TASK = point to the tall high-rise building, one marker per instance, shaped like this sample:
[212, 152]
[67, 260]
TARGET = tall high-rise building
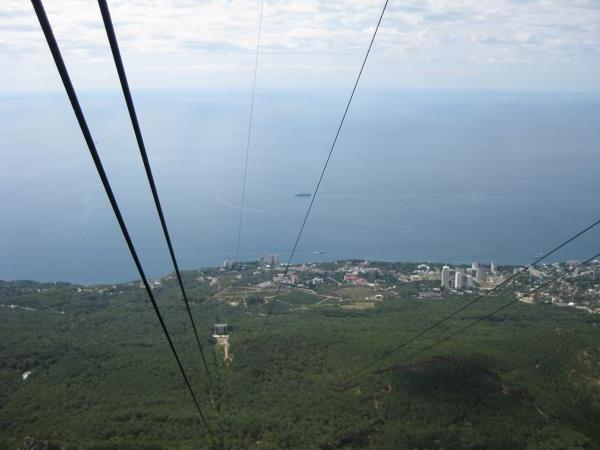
[493, 268]
[469, 282]
[481, 274]
[446, 277]
[271, 260]
[475, 265]
[459, 279]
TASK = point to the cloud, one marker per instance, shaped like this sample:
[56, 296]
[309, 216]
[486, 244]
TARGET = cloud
[450, 33]
[211, 46]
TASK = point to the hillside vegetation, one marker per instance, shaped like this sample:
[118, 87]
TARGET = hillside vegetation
[102, 376]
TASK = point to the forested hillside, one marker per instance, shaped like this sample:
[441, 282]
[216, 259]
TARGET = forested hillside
[102, 376]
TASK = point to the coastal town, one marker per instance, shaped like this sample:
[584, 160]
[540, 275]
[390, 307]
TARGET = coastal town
[346, 281]
[350, 284]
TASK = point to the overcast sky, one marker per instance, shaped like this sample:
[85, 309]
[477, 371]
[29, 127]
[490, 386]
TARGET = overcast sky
[489, 44]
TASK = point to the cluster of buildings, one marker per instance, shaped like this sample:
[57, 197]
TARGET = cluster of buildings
[270, 260]
[289, 279]
[358, 274]
[465, 279]
[580, 289]
[355, 278]
[267, 261]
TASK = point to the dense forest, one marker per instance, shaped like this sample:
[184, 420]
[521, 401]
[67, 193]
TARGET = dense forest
[102, 376]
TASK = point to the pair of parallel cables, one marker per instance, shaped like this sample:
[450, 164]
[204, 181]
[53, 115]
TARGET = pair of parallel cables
[64, 75]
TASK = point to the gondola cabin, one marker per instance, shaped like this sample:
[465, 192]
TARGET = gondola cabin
[221, 329]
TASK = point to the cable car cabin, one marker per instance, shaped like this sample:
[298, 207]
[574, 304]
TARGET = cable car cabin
[221, 329]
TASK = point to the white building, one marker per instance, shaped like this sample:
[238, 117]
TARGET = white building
[481, 274]
[493, 268]
[271, 260]
[446, 277]
[459, 279]
[469, 282]
[220, 329]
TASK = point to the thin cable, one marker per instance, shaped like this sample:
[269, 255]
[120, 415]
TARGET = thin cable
[64, 75]
[114, 46]
[479, 297]
[489, 315]
[239, 235]
[337, 134]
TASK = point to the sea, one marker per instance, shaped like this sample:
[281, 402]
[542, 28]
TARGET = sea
[416, 175]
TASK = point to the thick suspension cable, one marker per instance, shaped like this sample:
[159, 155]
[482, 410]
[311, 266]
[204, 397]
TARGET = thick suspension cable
[64, 75]
[249, 136]
[475, 300]
[496, 311]
[335, 139]
[114, 46]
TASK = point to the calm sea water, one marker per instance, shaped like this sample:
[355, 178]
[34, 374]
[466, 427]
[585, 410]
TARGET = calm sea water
[434, 176]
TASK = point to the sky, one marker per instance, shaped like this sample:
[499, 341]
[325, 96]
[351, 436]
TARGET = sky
[425, 44]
